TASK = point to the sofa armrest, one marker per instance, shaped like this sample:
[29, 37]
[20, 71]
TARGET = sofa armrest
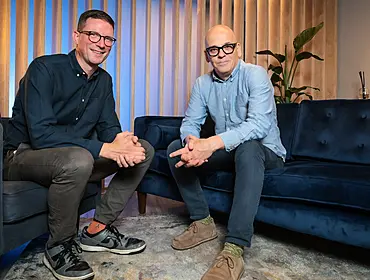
[159, 131]
[1, 189]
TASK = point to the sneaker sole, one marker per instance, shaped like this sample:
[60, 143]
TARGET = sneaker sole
[61, 277]
[194, 245]
[89, 248]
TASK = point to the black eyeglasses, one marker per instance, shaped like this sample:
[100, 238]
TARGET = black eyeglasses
[95, 37]
[227, 49]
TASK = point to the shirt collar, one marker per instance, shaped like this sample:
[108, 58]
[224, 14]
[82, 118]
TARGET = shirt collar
[231, 77]
[76, 66]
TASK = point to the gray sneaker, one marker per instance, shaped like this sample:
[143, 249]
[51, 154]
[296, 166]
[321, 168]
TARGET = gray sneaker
[65, 263]
[110, 240]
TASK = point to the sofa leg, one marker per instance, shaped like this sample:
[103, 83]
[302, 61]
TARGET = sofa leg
[141, 202]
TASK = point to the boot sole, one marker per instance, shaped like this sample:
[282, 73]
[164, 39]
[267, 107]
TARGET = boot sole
[89, 248]
[61, 277]
[194, 245]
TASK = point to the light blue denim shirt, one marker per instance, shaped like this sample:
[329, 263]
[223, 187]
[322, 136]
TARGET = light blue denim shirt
[242, 107]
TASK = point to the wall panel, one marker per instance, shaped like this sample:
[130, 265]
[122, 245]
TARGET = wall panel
[160, 44]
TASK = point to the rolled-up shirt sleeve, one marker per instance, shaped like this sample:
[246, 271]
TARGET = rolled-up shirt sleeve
[259, 112]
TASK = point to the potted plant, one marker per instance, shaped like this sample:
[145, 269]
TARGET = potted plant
[283, 76]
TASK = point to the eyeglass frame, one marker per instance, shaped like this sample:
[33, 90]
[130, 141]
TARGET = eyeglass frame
[222, 48]
[89, 33]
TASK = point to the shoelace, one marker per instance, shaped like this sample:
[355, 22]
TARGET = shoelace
[71, 252]
[220, 260]
[193, 227]
[116, 233]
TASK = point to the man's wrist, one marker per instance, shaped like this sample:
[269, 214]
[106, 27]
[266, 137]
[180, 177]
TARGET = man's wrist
[216, 143]
[103, 149]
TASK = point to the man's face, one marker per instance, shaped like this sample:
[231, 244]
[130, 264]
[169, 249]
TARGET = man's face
[222, 63]
[93, 54]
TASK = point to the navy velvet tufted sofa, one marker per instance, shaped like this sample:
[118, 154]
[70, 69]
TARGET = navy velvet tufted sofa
[324, 188]
[24, 208]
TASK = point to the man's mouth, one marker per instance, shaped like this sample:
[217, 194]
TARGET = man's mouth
[98, 52]
[223, 63]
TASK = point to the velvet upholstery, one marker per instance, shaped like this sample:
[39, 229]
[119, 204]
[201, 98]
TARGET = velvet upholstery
[23, 206]
[324, 187]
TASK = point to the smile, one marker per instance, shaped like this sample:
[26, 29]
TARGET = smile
[222, 63]
[98, 52]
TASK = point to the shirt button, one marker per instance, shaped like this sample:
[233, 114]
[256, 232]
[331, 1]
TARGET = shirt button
[227, 114]
[224, 99]
[227, 129]
[76, 119]
[78, 75]
[83, 100]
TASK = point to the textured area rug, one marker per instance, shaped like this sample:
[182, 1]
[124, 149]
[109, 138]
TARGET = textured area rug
[268, 259]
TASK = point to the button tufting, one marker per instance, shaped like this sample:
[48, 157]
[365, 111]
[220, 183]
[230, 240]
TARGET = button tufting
[324, 142]
[361, 145]
[363, 116]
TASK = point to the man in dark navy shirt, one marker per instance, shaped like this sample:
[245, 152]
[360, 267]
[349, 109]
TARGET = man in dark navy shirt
[62, 100]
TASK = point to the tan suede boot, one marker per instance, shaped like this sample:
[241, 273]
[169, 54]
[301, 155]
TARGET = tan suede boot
[225, 267]
[197, 233]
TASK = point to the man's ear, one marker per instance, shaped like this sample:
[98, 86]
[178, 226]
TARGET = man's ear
[75, 36]
[206, 55]
[239, 50]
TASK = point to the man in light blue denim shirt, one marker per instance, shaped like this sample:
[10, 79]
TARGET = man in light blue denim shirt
[239, 97]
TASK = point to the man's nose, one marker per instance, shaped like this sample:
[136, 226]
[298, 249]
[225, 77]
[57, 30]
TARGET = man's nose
[221, 53]
[101, 43]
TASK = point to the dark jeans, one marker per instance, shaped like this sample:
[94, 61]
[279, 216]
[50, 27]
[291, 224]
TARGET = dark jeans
[249, 161]
[66, 171]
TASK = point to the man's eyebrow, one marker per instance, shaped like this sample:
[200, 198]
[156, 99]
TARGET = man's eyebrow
[214, 46]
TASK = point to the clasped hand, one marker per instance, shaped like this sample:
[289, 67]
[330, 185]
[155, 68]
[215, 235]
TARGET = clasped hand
[125, 149]
[195, 153]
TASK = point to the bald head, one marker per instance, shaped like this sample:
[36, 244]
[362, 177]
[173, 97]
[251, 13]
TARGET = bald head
[219, 32]
[222, 50]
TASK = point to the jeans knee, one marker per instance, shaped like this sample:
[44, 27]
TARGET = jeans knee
[77, 162]
[249, 150]
[174, 146]
[149, 150]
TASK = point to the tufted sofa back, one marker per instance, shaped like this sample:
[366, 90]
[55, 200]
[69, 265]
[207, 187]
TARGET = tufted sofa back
[333, 130]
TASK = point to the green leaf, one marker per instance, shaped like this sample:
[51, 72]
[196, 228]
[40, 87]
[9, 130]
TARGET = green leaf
[295, 90]
[309, 96]
[275, 78]
[303, 93]
[307, 55]
[279, 57]
[277, 85]
[278, 99]
[288, 94]
[276, 69]
[305, 36]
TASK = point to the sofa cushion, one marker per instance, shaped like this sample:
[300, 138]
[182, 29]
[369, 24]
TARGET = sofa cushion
[159, 131]
[333, 130]
[334, 184]
[344, 185]
[287, 119]
[160, 136]
[23, 199]
[160, 163]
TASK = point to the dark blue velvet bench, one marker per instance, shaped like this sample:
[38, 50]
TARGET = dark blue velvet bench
[324, 188]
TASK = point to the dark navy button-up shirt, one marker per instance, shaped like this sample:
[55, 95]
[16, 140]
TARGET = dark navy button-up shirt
[57, 105]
